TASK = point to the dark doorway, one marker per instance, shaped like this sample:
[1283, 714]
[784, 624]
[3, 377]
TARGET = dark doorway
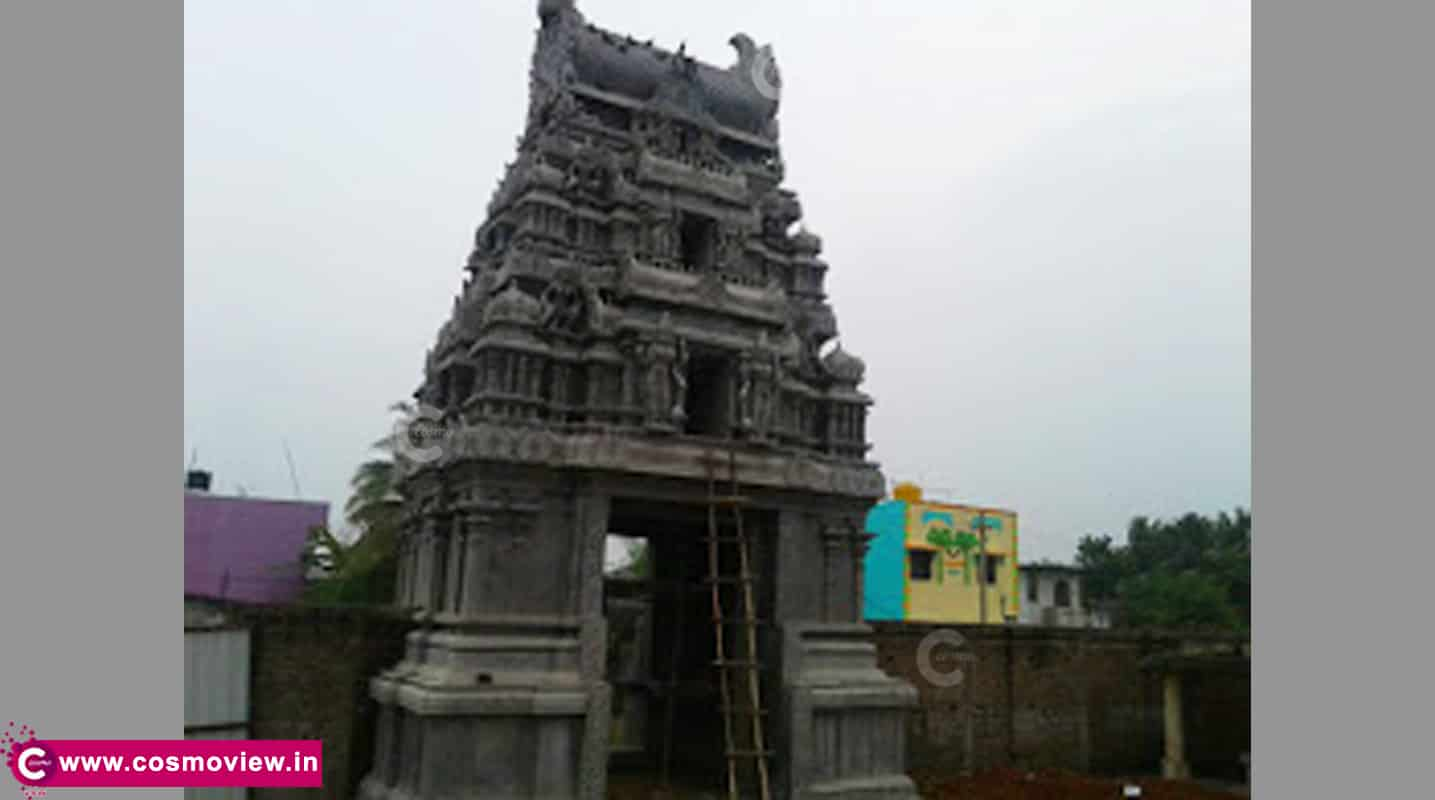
[696, 234]
[709, 402]
[665, 672]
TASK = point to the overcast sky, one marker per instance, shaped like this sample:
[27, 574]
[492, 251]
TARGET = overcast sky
[1037, 217]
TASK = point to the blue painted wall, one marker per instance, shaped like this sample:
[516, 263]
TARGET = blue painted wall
[886, 566]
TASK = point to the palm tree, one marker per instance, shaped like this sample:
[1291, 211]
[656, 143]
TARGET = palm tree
[363, 570]
[372, 502]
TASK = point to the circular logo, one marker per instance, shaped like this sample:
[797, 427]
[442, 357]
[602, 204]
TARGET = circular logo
[937, 677]
[419, 437]
[34, 763]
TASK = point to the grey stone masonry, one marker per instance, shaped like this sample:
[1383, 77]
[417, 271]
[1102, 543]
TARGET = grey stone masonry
[640, 305]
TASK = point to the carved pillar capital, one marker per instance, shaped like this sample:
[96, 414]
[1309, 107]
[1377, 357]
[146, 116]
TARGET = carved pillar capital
[836, 533]
[507, 520]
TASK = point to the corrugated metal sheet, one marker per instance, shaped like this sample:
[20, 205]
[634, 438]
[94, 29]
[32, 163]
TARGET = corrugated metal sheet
[216, 678]
[216, 695]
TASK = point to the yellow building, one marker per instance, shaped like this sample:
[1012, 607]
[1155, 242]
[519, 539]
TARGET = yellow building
[940, 562]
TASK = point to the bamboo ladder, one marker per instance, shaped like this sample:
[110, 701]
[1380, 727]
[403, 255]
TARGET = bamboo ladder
[746, 664]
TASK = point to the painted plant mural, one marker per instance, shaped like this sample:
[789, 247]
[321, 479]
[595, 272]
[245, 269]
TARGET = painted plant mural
[957, 544]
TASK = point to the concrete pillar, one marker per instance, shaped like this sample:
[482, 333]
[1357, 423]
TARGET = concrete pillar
[1173, 765]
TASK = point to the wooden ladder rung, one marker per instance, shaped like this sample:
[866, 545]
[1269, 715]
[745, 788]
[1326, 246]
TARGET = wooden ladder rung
[701, 585]
[732, 580]
[746, 712]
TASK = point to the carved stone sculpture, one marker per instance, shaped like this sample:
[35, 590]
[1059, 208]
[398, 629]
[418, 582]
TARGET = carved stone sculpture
[679, 370]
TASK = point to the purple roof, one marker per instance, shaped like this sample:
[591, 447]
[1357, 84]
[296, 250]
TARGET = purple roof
[246, 549]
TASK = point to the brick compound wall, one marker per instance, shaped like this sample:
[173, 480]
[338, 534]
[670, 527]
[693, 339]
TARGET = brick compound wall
[309, 674]
[1052, 698]
[1031, 698]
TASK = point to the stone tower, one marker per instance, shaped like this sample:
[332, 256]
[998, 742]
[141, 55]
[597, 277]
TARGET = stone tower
[638, 309]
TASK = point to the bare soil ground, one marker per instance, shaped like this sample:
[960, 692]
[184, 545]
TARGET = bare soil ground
[1006, 784]
[1001, 784]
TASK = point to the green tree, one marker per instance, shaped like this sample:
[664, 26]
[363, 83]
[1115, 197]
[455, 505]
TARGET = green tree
[360, 572]
[1194, 571]
[637, 561]
[1178, 600]
[364, 569]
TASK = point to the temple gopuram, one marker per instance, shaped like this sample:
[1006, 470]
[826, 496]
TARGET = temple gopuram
[642, 346]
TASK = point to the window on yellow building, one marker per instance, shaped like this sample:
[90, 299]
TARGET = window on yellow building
[920, 564]
[991, 567]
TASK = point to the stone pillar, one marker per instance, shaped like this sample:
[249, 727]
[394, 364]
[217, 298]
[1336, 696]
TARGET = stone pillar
[503, 696]
[590, 525]
[456, 554]
[423, 569]
[861, 543]
[475, 542]
[833, 547]
[401, 586]
[1173, 765]
[840, 730]
[438, 547]
[843, 724]
[411, 586]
